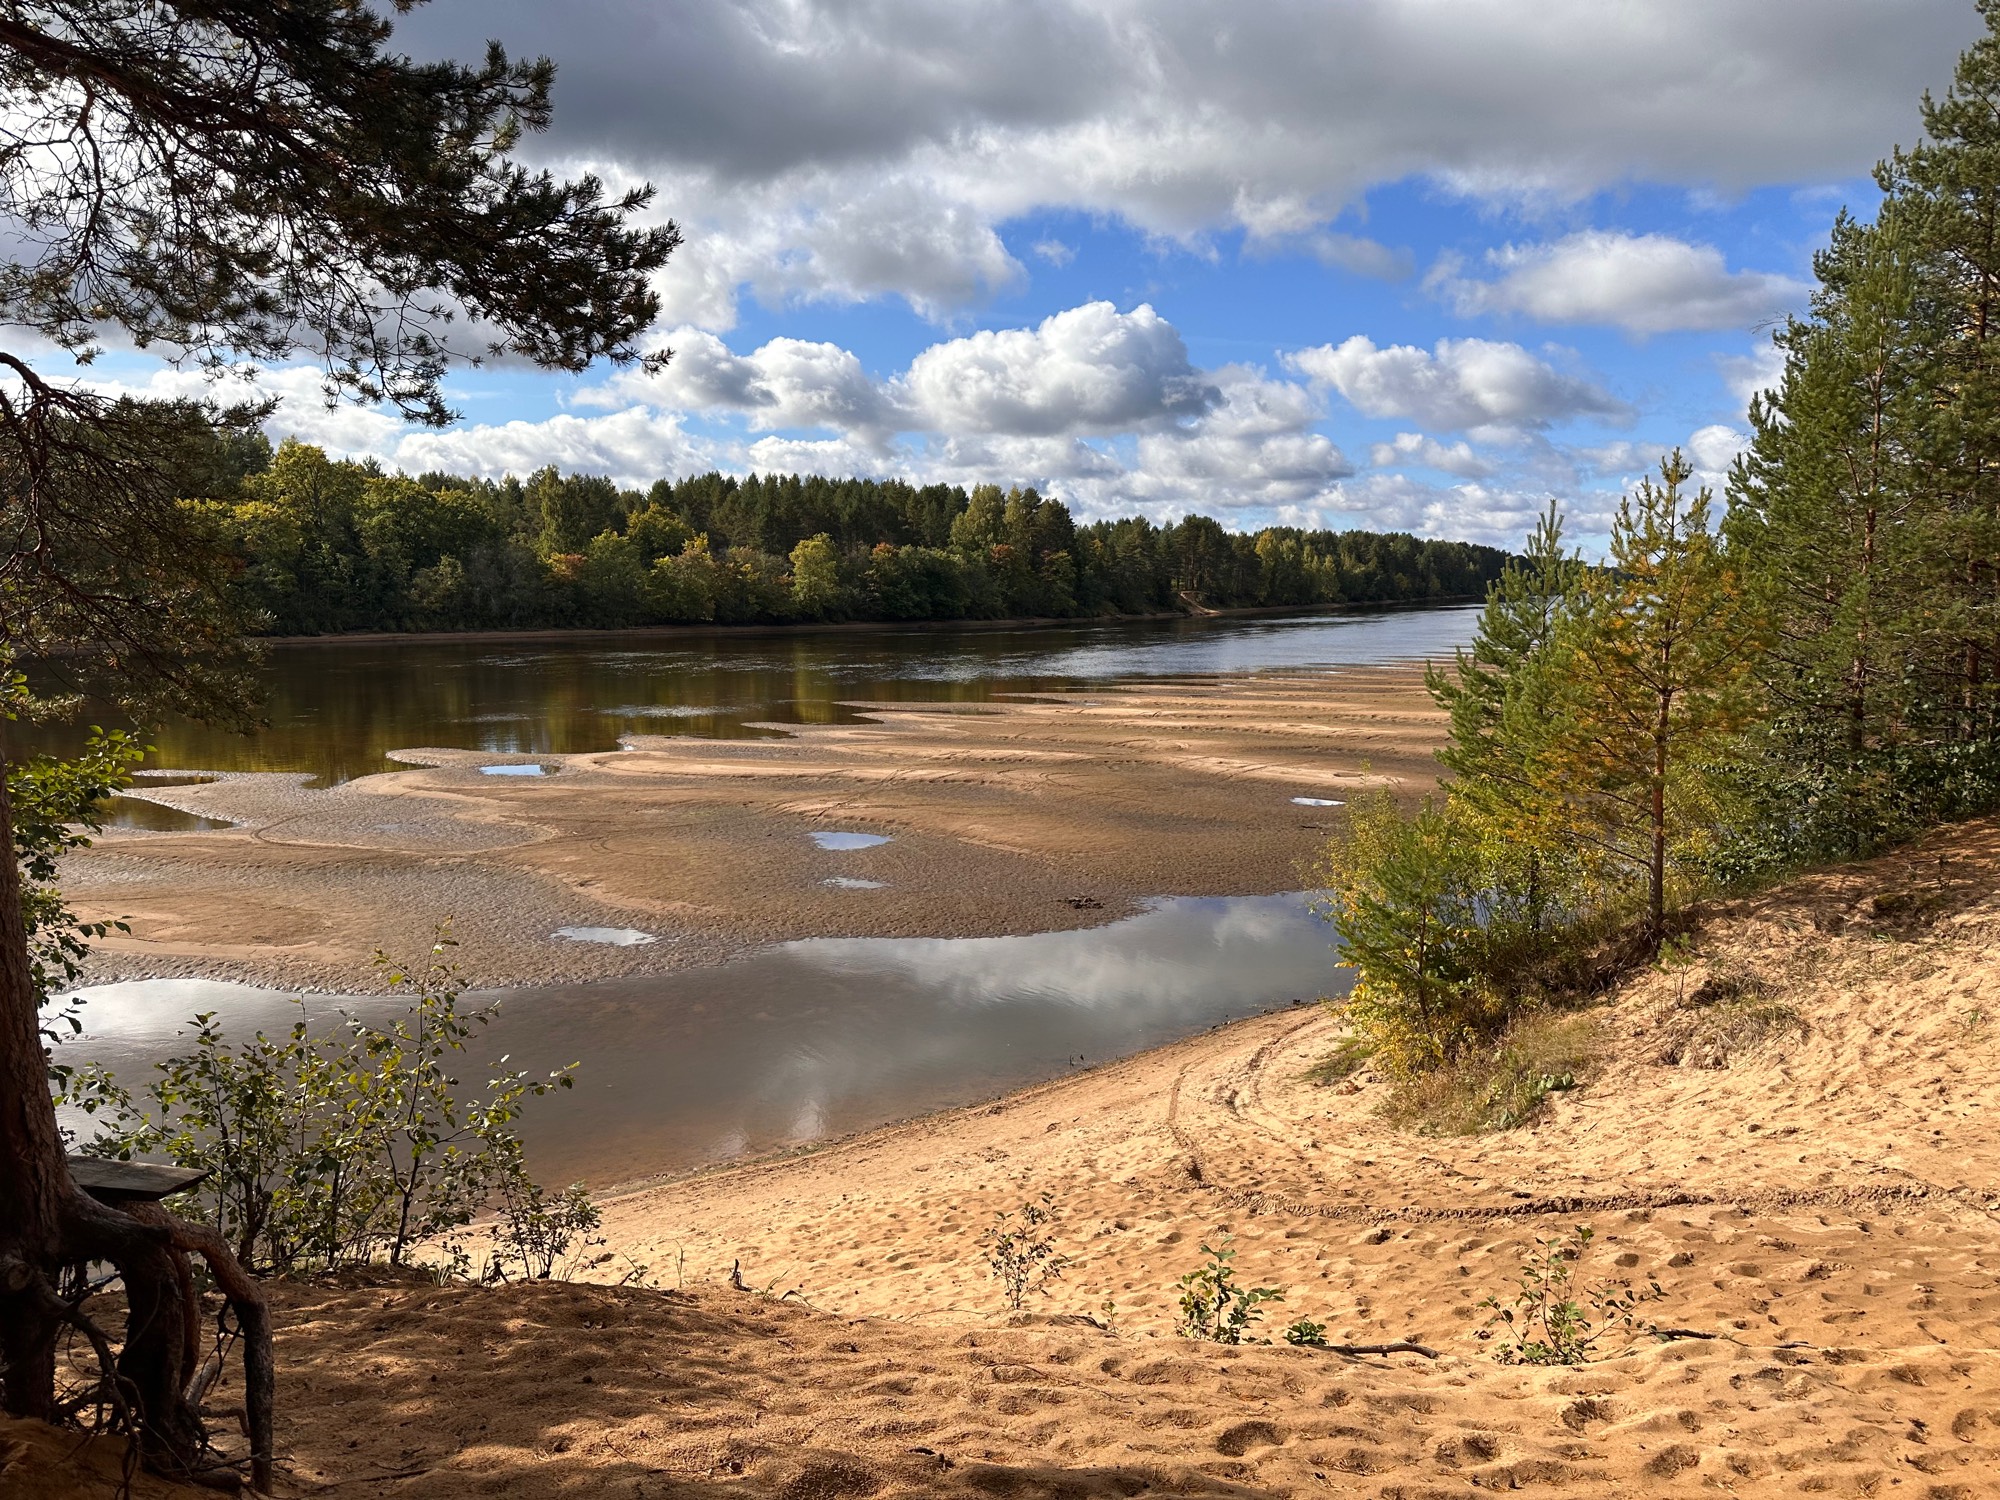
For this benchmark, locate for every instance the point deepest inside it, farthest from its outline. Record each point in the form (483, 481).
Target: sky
(1416, 265)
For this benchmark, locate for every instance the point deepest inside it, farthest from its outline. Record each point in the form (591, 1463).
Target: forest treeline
(324, 545)
(1811, 675)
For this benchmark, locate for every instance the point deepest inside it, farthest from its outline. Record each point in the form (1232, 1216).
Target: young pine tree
(1655, 676)
(1499, 694)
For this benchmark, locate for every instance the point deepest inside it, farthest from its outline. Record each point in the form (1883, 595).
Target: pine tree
(1499, 694)
(1652, 678)
(225, 183)
(1867, 510)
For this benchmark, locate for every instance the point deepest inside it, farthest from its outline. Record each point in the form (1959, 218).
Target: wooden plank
(111, 1180)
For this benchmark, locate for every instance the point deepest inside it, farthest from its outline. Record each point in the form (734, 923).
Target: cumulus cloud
(1472, 511)
(1256, 448)
(1090, 369)
(1712, 451)
(785, 383)
(1641, 283)
(1422, 449)
(1750, 374)
(341, 428)
(825, 149)
(634, 446)
(1462, 384)
(1100, 407)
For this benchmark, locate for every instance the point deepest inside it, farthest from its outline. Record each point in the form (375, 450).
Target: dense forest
(322, 545)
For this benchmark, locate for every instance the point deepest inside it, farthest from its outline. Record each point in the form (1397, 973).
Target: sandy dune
(998, 815)
(1823, 1207)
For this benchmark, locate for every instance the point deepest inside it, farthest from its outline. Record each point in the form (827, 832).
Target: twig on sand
(1401, 1346)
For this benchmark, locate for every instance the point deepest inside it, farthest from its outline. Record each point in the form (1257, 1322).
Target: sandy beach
(1817, 1204)
(1033, 814)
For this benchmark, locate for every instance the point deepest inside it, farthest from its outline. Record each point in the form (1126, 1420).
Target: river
(805, 1040)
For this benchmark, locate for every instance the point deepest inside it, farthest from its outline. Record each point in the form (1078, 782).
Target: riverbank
(1815, 1199)
(1028, 814)
(640, 633)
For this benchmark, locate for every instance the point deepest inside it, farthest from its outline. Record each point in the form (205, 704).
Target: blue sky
(1396, 264)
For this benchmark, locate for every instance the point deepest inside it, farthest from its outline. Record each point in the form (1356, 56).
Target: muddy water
(808, 1040)
(336, 709)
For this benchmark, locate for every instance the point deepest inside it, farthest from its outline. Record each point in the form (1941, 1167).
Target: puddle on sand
(809, 1039)
(1317, 802)
(849, 840)
(528, 770)
(850, 883)
(617, 937)
(157, 817)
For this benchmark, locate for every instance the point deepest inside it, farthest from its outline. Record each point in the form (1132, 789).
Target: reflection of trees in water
(335, 709)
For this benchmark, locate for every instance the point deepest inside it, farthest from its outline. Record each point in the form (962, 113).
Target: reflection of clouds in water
(808, 1039)
(1179, 951)
(666, 710)
(617, 937)
(159, 1010)
(1345, 640)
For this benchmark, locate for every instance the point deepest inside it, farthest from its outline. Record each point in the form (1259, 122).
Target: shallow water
(617, 937)
(812, 1039)
(337, 708)
(511, 771)
(847, 842)
(136, 812)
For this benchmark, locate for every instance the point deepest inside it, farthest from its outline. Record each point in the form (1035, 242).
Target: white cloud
(634, 446)
(1090, 369)
(1256, 448)
(1712, 450)
(1054, 251)
(1463, 384)
(1749, 374)
(1421, 448)
(785, 383)
(342, 429)
(1642, 283)
(821, 148)
(1473, 511)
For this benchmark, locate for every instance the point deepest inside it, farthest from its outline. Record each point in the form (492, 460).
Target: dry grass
(1504, 1085)
(1730, 1014)
(1348, 1057)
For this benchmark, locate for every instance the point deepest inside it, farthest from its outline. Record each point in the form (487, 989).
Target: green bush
(540, 1236)
(1553, 1320)
(1021, 1251)
(1404, 895)
(1215, 1306)
(331, 1149)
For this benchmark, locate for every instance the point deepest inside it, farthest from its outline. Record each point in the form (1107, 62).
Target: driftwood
(1400, 1346)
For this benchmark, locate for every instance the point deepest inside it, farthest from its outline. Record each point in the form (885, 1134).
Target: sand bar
(1031, 814)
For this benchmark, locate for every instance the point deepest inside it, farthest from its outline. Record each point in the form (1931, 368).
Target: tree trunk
(47, 1223)
(1656, 873)
(34, 1183)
